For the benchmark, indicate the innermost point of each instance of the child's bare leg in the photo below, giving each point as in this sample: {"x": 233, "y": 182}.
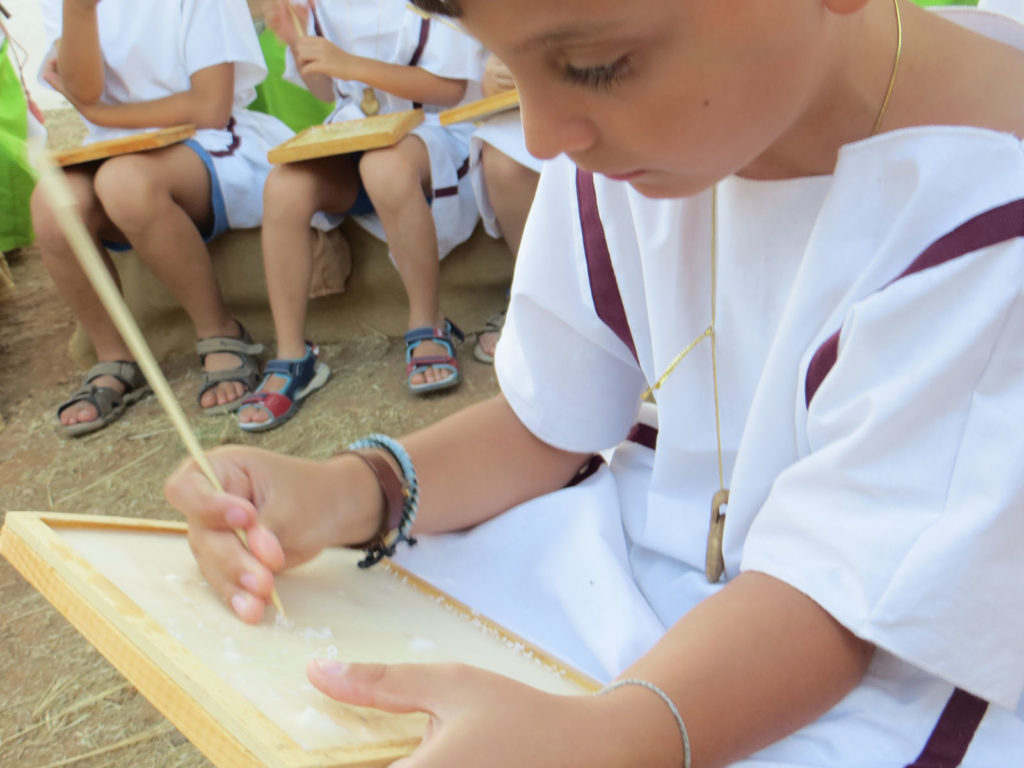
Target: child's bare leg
{"x": 510, "y": 187}
{"x": 396, "y": 179}
{"x": 291, "y": 195}
{"x": 161, "y": 200}
{"x": 73, "y": 285}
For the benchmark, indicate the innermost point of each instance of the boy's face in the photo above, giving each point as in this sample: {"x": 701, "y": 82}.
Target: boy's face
{"x": 669, "y": 94}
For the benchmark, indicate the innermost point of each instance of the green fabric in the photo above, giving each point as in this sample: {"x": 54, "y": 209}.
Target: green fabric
{"x": 946, "y": 2}
{"x": 16, "y": 178}
{"x": 294, "y": 106}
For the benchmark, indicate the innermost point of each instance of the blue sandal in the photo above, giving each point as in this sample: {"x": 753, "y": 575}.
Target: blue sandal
{"x": 450, "y": 362}
{"x": 305, "y": 375}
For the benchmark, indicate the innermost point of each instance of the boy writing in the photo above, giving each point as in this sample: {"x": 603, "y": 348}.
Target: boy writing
{"x": 813, "y": 260}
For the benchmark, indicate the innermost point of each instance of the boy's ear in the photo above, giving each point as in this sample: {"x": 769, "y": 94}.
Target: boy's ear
{"x": 843, "y": 7}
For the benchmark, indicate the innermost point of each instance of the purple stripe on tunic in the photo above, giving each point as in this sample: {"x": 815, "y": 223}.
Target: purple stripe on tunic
{"x": 645, "y": 435}
{"x": 603, "y": 285}
{"x": 316, "y": 21}
{"x": 984, "y": 230}
{"x": 236, "y": 142}
{"x": 952, "y": 734}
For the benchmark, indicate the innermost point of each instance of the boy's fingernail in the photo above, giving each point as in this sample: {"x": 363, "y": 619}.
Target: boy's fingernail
{"x": 239, "y": 602}
{"x": 249, "y": 581}
{"x": 331, "y": 667}
{"x": 237, "y": 517}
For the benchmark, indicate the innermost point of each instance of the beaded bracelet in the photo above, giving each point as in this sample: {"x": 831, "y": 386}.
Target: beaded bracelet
{"x": 664, "y": 697}
{"x": 382, "y": 548}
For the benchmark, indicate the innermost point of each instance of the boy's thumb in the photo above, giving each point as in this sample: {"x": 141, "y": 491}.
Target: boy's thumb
{"x": 393, "y": 688}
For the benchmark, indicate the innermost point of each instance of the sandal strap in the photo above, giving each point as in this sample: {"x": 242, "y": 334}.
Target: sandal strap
{"x": 276, "y": 403}
{"x": 299, "y": 371}
{"x": 125, "y": 371}
{"x": 241, "y": 346}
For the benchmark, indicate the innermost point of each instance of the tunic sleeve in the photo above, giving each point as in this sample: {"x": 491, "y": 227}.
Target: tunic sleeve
{"x": 222, "y": 32}
{"x": 905, "y": 520}
{"x": 571, "y": 381}
{"x": 53, "y": 24}
{"x": 446, "y": 52}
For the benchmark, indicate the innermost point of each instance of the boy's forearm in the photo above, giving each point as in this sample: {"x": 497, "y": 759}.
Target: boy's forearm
{"x": 481, "y": 461}
{"x": 207, "y": 104}
{"x": 412, "y": 83}
{"x": 321, "y": 86}
{"x": 79, "y": 57}
{"x": 750, "y": 665}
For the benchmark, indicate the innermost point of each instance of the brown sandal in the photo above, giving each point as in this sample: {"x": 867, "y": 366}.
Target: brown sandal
{"x": 247, "y": 373}
{"x": 109, "y": 403}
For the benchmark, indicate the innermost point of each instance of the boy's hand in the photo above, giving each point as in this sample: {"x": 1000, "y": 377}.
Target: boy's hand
{"x": 281, "y": 18}
{"x": 497, "y": 77}
{"x": 317, "y": 56}
{"x": 290, "y": 509}
{"x": 476, "y": 717}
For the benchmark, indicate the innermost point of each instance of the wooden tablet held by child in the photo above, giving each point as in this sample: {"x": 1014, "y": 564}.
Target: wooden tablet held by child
{"x": 348, "y": 136}
{"x": 239, "y": 691}
{"x": 139, "y": 142}
{"x": 482, "y": 108}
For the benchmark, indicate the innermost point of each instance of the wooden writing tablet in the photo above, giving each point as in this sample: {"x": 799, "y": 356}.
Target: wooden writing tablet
{"x": 239, "y": 692}
{"x": 348, "y": 136}
{"x": 139, "y": 142}
{"x": 482, "y": 108}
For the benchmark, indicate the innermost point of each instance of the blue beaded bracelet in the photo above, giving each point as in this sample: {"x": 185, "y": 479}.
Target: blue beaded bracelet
{"x": 410, "y": 490}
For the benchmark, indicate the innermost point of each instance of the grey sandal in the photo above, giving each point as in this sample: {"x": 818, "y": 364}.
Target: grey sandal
{"x": 247, "y": 373}
{"x": 495, "y": 323}
{"x": 109, "y": 403}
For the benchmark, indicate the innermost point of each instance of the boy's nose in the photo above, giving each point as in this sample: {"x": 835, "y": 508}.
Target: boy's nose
{"x": 551, "y": 128}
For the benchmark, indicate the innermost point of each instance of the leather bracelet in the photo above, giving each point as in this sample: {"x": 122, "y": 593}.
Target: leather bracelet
{"x": 391, "y": 487}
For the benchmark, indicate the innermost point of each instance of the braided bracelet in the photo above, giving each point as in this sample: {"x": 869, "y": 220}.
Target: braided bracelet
{"x": 380, "y": 547}
{"x": 664, "y": 697}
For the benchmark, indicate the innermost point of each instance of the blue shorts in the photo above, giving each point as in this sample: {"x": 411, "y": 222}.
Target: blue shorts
{"x": 220, "y": 214}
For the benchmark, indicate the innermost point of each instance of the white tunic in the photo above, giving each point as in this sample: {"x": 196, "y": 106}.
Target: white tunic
{"x": 151, "y": 49}
{"x": 504, "y": 132}
{"x": 895, "y": 499}
{"x": 387, "y": 30}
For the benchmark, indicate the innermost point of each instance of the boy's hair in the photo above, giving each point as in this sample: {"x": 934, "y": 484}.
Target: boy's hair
{"x": 440, "y": 7}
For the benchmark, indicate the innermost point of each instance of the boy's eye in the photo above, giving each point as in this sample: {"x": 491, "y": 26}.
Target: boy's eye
{"x": 604, "y": 76}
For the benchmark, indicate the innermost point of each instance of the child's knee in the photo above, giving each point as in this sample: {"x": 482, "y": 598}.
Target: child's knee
{"x": 128, "y": 193}
{"x": 389, "y": 180}
{"x": 289, "y": 193}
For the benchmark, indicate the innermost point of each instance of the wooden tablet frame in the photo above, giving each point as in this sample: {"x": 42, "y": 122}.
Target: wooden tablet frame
{"x": 139, "y": 142}
{"x": 481, "y": 109}
{"x": 231, "y": 731}
{"x": 348, "y": 136}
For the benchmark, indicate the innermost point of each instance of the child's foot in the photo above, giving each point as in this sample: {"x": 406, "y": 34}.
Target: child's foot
{"x": 431, "y": 359}
{"x": 286, "y": 383}
{"x": 230, "y": 370}
{"x": 106, "y": 391}
{"x": 487, "y": 339}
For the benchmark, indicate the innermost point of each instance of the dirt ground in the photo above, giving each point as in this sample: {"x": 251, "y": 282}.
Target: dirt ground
{"x": 61, "y": 703}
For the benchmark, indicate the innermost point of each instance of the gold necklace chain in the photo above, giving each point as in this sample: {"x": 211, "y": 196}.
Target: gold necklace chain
{"x": 714, "y": 563}
{"x": 895, "y": 68}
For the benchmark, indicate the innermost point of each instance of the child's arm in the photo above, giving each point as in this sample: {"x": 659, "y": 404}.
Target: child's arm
{"x": 79, "y": 55}
{"x": 471, "y": 466}
{"x": 750, "y": 665}
{"x": 286, "y": 20}
{"x": 319, "y": 56}
{"x": 207, "y": 104}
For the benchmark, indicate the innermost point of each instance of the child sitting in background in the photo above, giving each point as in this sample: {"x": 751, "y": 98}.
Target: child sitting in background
{"x": 368, "y": 58}
{"x": 131, "y": 65}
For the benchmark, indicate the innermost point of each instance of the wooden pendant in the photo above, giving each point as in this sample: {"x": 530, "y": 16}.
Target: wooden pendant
{"x": 370, "y": 103}
{"x": 714, "y": 559}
